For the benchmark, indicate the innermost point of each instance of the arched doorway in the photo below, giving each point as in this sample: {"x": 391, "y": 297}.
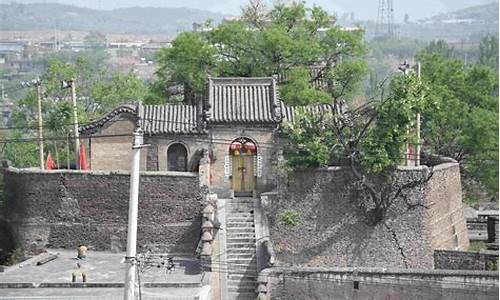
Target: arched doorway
{"x": 177, "y": 158}
{"x": 243, "y": 154}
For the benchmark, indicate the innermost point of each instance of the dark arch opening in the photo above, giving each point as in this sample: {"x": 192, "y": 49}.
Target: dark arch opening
{"x": 177, "y": 158}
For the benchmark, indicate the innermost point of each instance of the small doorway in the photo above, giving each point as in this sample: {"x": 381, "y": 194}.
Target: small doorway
{"x": 243, "y": 154}
{"x": 177, "y": 158}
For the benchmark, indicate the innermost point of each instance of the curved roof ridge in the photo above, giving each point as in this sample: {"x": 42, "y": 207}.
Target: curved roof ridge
{"x": 95, "y": 125}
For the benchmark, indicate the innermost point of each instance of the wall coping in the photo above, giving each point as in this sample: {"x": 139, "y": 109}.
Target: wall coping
{"x": 480, "y": 252}
{"x": 381, "y": 271}
{"x": 438, "y": 167}
{"x": 99, "y": 173}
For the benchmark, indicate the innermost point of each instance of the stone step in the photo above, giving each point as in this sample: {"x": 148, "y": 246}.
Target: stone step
{"x": 238, "y": 210}
{"x": 234, "y": 245}
{"x": 240, "y": 240}
{"x": 235, "y": 234}
{"x": 233, "y": 231}
{"x": 250, "y": 261}
{"x": 239, "y": 224}
{"x": 241, "y": 214}
{"x": 231, "y": 256}
{"x": 239, "y": 219}
{"x": 233, "y": 224}
{"x": 241, "y": 250}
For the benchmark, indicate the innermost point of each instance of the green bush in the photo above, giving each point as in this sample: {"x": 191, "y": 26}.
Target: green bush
{"x": 289, "y": 218}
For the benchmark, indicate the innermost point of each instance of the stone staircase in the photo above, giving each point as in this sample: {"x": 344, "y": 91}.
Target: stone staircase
{"x": 240, "y": 249}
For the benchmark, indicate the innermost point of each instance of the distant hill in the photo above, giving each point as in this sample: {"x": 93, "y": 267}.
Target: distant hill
{"x": 487, "y": 13}
{"x": 40, "y": 16}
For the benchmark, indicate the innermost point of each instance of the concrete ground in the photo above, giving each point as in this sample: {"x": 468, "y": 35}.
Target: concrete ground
{"x": 105, "y": 273}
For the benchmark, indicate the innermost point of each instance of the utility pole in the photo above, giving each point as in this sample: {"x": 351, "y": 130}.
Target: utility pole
{"x": 71, "y": 84}
{"x": 38, "y": 84}
{"x": 417, "y": 157}
{"x": 130, "y": 258}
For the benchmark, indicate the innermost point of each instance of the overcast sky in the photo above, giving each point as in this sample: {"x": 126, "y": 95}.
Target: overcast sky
{"x": 363, "y": 9}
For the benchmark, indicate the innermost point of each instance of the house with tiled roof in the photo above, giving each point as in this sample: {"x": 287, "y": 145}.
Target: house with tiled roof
{"x": 235, "y": 123}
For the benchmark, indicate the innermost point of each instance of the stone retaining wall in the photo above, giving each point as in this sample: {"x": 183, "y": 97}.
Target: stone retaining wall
{"x": 332, "y": 230}
{"x": 60, "y": 209}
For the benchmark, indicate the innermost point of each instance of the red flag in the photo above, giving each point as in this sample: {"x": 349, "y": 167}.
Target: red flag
{"x": 51, "y": 165}
{"x": 83, "y": 158}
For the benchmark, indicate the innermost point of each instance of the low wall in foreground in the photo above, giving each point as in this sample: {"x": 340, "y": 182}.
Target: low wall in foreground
{"x": 362, "y": 284}
{"x": 62, "y": 208}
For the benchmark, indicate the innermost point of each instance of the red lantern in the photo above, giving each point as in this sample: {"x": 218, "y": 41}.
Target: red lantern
{"x": 250, "y": 146}
{"x": 235, "y": 146}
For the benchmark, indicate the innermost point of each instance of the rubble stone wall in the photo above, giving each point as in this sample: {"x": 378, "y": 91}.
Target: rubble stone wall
{"x": 332, "y": 229}
{"x": 60, "y": 209}
{"x": 466, "y": 260}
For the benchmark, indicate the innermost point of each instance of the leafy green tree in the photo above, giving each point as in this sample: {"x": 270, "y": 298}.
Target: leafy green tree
{"x": 97, "y": 93}
{"x": 285, "y": 40}
{"x": 465, "y": 127}
{"x": 187, "y": 62}
{"x": 488, "y": 52}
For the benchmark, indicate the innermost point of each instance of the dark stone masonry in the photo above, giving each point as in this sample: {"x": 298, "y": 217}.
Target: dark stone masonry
{"x": 332, "y": 230}
{"x": 60, "y": 209}
{"x": 466, "y": 260}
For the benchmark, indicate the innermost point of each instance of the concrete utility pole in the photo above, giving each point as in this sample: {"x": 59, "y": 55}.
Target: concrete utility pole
{"x": 417, "y": 152}
{"x": 66, "y": 84}
{"x": 38, "y": 84}
{"x": 130, "y": 258}
{"x": 40, "y": 122}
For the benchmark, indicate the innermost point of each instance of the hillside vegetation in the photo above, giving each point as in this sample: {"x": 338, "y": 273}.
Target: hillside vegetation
{"x": 125, "y": 20}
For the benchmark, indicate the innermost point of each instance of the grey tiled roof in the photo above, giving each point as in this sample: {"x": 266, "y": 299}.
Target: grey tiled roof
{"x": 160, "y": 119}
{"x": 230, "y": 100}
{"x": 290, "y": 112}
{"x": 243, "y": 100}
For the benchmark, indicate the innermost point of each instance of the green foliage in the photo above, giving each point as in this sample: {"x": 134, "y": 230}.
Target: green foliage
{"x": 465, "y": 127}
{"x": 384, "y": 144}
{"x": 21, "y": 154}
{"x": 97, "y": 94}
{"x": 376, "y": 142}
{"x": 308, "y": 144}
{"x": 120, "y": 88}
{"x": 188, "y": 62}
{"x": 287, "y": 40}
{"x": 300, "y": 91}
{"x": 289, "y": 218}
{"x": 477, "y": 246}
{"x": 492, "y": 265}
{"x": 95, "y": 39}
{"x": 488, "y": 52}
